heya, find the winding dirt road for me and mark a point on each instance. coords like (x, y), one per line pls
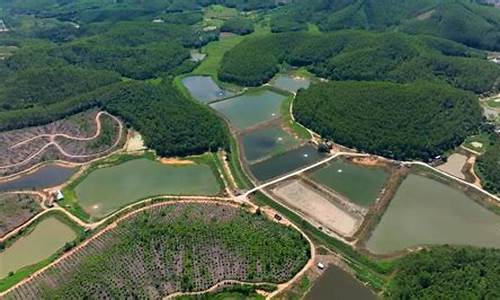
(52, 142)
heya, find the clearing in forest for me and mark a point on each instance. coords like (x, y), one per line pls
(171, 248)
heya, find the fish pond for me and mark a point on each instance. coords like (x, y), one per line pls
(47, 238)
(286, 162)
(336, 283)
(261, 143)
(361, 185)
(108, 189)
(290, 83)
(204, 88)
(251, 109)
(44, 177)
(425, 211)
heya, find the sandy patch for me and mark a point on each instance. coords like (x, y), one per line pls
(366, 161)
(135, 142)
(175, 161)
(477, 145)
(314, 205)
(472, 161)
(454, 165)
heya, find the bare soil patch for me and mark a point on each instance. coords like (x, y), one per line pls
(175, 161)
(316, 206)
(454, 165)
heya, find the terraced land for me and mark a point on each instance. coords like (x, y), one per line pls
(109, 188)
(16, 209)
(170, 248)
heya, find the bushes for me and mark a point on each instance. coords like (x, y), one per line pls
(448, 273)
(238, 25)
(489, 167)
(412, 121)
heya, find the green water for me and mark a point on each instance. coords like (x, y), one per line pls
(108, 189)
(336, 283)
(204, 89)
(425, 211)
(48, 236)
(261, 143)
(286, 162)
(250, 109)
(361, 185)
(290, 83)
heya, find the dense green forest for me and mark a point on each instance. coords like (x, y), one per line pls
(361, 55)
(463, 21)
(168, 122)
(448, 273)
(489, 168)
(411, 121)
(238, 25)
(32, 87)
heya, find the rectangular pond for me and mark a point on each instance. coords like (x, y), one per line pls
(337, 284)
(290, 83)
(44, 177)
(425, 211)
(108, 189)
(286, 162)
(251, 109)
(261, 143)
(361, 185)
(204, 89)
(47, 238)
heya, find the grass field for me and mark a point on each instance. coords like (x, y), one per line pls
(215, 51)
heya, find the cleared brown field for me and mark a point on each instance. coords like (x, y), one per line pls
(316, 206)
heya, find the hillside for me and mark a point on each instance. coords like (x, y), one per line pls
(411, 121)
(361, 55)
(448, 273)
(469, 22)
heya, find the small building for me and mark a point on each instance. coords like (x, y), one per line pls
(59, 195)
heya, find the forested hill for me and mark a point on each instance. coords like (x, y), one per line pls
(361, 55)
(169, 123)
(405, 122)
(448, 273)
(464, 21)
